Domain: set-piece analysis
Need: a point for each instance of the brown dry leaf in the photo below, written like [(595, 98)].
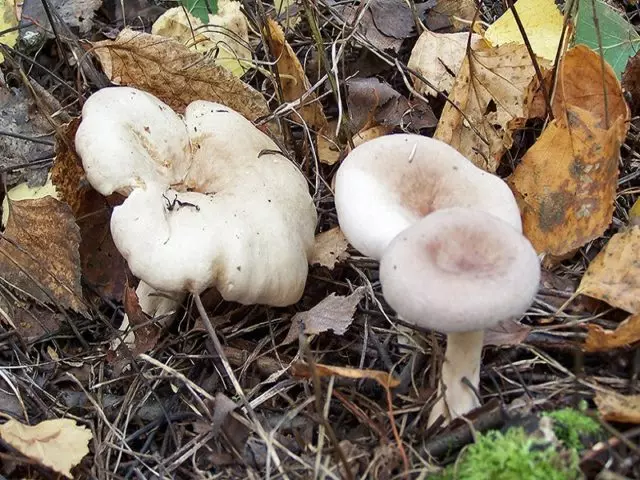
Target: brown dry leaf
[(615, 407), (600, 340), (334, 313), (580, 84), (169, 70), (490, 95), (383, 378), (373, 102), (631, 82), (58, 444), (505, 333), (39, 252), (369, 134), (566, 183), (455, 14), (330, 247), (103, 267), (292, 77), (145, 331), (329, 151), (614, 275), (438, 57)]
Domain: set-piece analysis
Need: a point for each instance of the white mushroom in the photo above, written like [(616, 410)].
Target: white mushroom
[(459, 271), (387, 184), (211, 202)]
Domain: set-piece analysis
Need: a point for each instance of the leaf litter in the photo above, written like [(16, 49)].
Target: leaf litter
[(290, 388)]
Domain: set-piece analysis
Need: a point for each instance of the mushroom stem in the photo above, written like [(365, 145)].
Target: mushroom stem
[(461, 359)]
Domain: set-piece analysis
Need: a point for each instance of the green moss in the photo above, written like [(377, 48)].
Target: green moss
[(571, 425), (514, 455)]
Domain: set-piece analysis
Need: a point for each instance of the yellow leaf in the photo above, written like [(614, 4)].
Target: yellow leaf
[(295, 83), (58, 444), (487, 103), (599, 339), (438, 57), (615, 407), (542, 21), (23, 191), (614, 275), (383, 378), (566, 183), (225, 37), (8, 20)]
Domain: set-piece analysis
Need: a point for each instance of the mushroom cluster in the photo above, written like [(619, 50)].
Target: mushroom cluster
[(211, 201), (448, 236)]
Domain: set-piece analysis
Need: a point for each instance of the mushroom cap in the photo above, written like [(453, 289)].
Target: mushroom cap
[(389, 183), (458, 270), (209, 204), (128, 137), (239, 240)]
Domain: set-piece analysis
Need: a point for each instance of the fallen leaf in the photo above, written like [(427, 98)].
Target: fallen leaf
[(566, 184), (200, 8), (24, 191), (294, 82), (75, 13), (21, 115), (225, 35), (58, 444), (631, 82), (455, 15), (614, 275), (369, 134), (373, 102), (438, 57), (287, 12), (329, 151), (615, 407), (167, 69), (8, 20), (39, 252), (393, 18), (542, 21), (508, 332), (365, 26), (600, 340), (146, 332), (33, 321), (487, 103), (580, 84), (103, 267), (333, 313), (634, 214), (330, 247), (386, 380), (618, 36)]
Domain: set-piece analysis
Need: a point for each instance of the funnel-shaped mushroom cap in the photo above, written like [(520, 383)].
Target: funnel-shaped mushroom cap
[(239, 241), (459, 270), (128, 137), (210, 204), (389, 183)]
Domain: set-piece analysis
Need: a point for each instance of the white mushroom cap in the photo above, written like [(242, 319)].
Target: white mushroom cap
[(237, 241), (209, 205), (128, 137), (459, 270), (385, 185)]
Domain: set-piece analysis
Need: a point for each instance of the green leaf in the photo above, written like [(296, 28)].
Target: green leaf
[(620, 41), (201, 8)]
